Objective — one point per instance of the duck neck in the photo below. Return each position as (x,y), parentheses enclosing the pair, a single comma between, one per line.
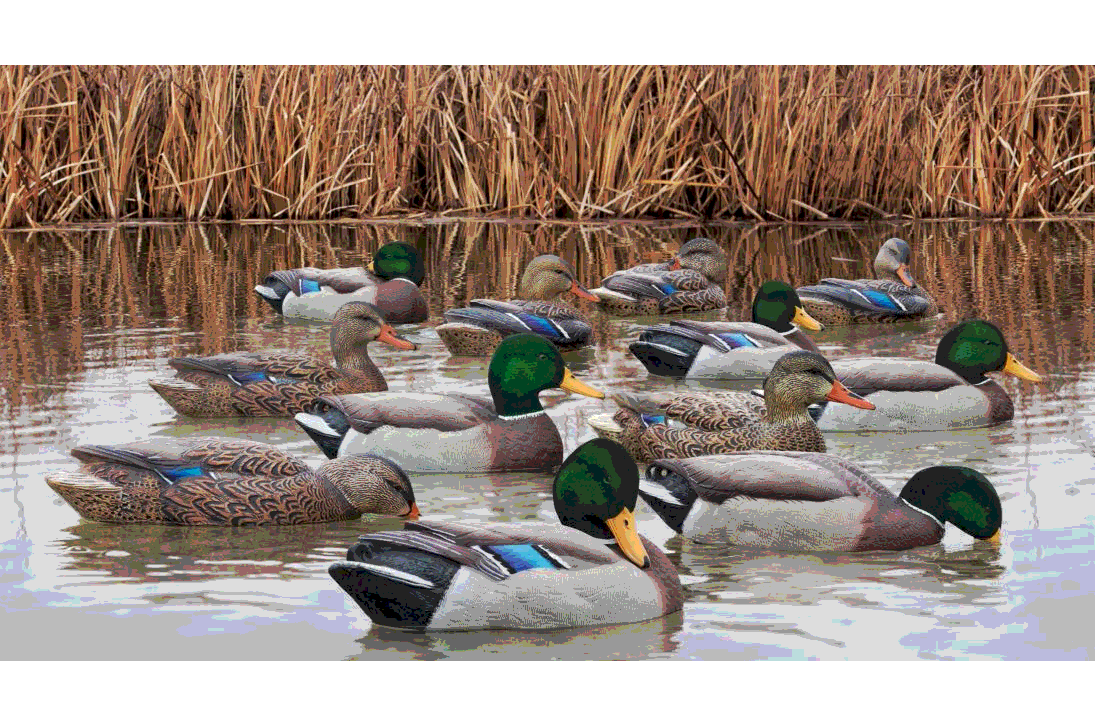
(781,410)
(509,404)
(356,359)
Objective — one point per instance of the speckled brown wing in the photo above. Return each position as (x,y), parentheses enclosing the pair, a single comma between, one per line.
(710,410)
(252,500)
(241,367)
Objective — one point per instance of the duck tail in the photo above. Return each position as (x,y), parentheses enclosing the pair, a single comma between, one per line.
(668,493)
(666,350)
(275,287)
(396,585)
(327,426)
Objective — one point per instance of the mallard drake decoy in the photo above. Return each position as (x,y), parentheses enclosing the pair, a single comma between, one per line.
(477,330)
(809,501)
(391,282)
(694,349)
(281,384)
(953,392)
(717,422)
(425,432)
(524,576)
(691,282)
(227,482)
(893,297)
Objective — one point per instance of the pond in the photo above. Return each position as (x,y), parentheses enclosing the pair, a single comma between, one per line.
(88,317)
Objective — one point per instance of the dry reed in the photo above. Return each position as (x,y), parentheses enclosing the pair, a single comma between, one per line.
(775,143)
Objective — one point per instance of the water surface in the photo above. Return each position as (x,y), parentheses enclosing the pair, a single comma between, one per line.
(88,317)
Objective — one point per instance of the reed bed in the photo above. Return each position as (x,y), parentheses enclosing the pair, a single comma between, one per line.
(544,142)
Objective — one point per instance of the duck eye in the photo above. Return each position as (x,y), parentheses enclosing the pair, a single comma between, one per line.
(543,356)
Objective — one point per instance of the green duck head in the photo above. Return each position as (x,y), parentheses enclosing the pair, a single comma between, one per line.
(974,347)
(521,367)
(595,492)
(398,259)
(703,255)
(801,378)
(355,325)
(777,305)
(892,262)
(548,276)
(959,495)
(372,484)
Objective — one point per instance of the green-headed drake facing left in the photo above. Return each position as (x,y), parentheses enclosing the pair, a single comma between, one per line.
(457,432)
(592,569)
(282,384)
(391,282)
(807,501)
(226,482)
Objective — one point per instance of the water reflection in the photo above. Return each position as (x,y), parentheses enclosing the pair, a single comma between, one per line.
(87,318)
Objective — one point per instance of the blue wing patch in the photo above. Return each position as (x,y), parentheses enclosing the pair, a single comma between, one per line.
(308,286)
(518,558)
(249,377)
(880,299)
(737,340)
(649,419)
(182,472)
(540,325)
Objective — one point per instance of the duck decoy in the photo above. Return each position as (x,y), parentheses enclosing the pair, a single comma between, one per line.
(691,282)
(391,282)
(953,392)
(729,350)
(893,297)
(809,501)
(591,569)
(716,422)
(226,482)
(281,384)
(424,432)
(478,329)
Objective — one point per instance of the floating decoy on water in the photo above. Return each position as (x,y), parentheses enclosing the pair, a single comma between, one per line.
(391,282)
(478,329)
(281,384)
(592,569)
(694,349)
(716,422)
(953,392)
(222,481)
(893,297)
(691,282)
(809,501)
(425,432)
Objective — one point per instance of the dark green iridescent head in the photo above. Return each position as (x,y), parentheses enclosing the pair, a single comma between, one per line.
(521,367)
(959,495)
(595,483)
(971,349)
(399,259)
(774,305)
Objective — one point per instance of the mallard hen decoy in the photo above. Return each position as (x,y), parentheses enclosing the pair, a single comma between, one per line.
(952,392)
(694,349)
(809,501)
(425,432)
(523,576)
(716,422)
(691,282)
(281,384)
(391,282)
(893,297)
(222,481)
(478,329)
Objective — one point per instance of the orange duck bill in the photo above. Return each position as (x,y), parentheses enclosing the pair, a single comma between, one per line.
(905,276)
(841,394)
(582,292)
(392,338)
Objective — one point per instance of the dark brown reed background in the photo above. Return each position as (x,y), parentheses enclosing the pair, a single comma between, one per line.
(236,142)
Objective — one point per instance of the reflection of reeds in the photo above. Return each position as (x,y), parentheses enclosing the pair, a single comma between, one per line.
(188,282)
(237,142)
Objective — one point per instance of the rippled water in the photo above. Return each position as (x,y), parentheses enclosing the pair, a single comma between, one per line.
(86,318)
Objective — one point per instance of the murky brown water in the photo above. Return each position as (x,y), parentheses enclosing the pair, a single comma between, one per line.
(87,318)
